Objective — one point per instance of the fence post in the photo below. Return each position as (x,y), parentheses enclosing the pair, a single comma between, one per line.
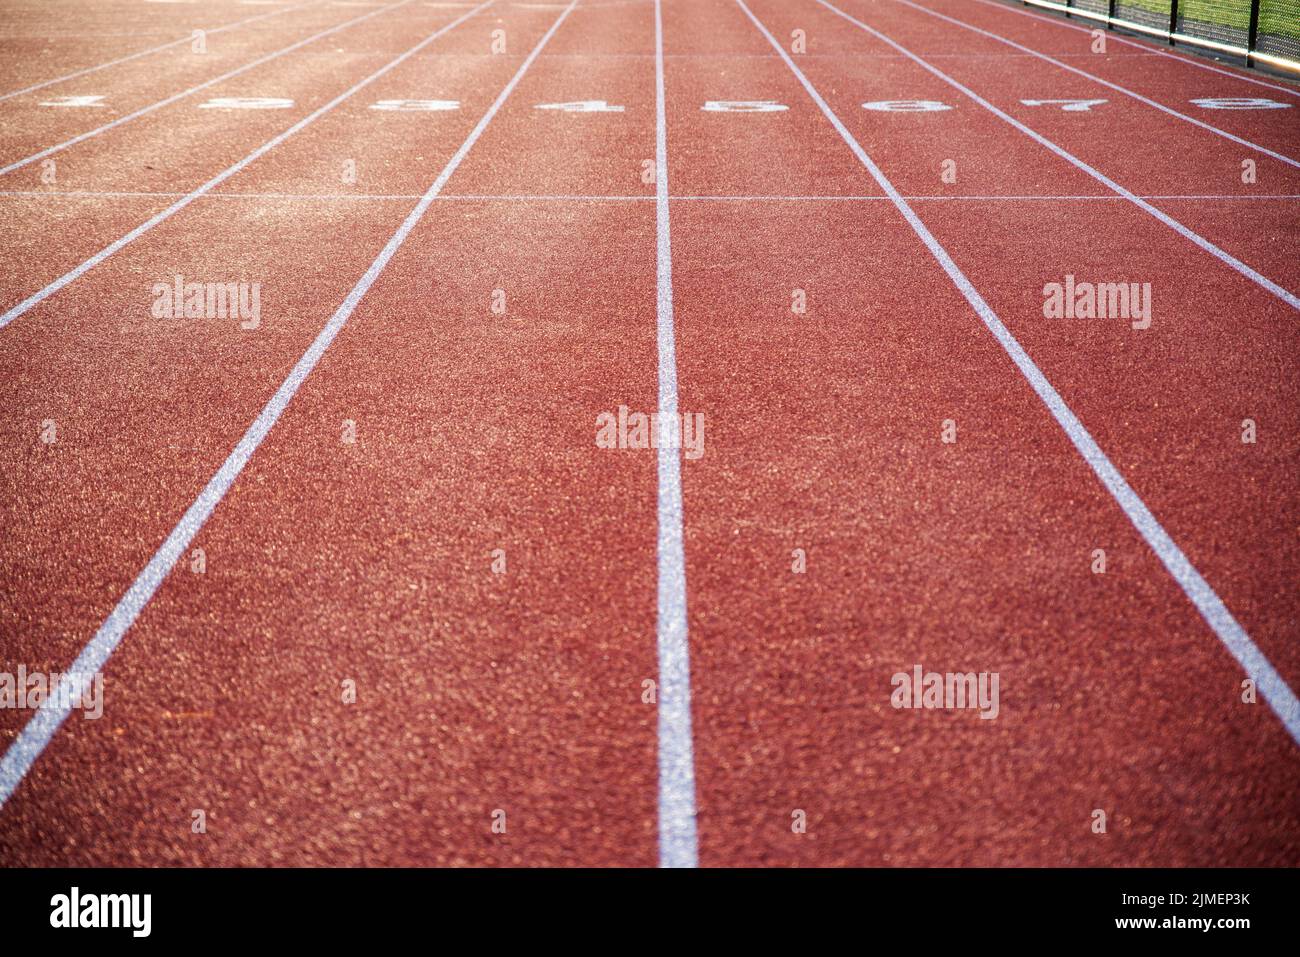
(1173,20)
(1252,31)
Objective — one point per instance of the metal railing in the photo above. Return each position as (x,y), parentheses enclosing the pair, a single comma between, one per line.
(1249,50)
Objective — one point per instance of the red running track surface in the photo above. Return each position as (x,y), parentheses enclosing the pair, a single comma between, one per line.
(431,521)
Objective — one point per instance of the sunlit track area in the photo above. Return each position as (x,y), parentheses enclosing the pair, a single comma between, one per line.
(648,433)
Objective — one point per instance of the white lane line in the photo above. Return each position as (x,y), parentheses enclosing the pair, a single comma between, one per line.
(1220,254)
(1106,83)
(1275,690)
(38,731)
(78,271)
(19,164)
(1146,47)
(135,56)
(678,846)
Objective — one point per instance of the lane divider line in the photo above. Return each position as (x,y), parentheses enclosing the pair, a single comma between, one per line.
(1253,661)
(260,61)
(678,844)
(78,271)
(1222,255)
(1106,83)
(135,56)
(54,710)
(1147,47)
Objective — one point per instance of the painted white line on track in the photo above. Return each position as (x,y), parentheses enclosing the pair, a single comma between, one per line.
(82,137)
(78,271)
(135,56)
(42,727)
(678,844)
(1240,141)
(1253,661)
(1186,232)
(1147,47)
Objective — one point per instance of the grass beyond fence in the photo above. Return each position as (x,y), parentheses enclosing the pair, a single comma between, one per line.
(1278,17)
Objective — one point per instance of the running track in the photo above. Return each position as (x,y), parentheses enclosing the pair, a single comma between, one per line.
(522,691)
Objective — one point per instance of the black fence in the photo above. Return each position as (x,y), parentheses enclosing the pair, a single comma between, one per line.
(1261,32)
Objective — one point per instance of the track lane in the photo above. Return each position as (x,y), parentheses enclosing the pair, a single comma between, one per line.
(214,149)
(1186,60)
(94,359)
(792,672)
(1277,128)
(1247,244)
(1193,67)
(478,691)
(109,19)
(825,753)
(48,131)
(1144,164)
(711,62)
(22,54)
(1154,416)
(392,143)
(35,131)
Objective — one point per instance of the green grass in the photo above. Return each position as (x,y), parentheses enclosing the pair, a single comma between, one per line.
(1278,17)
